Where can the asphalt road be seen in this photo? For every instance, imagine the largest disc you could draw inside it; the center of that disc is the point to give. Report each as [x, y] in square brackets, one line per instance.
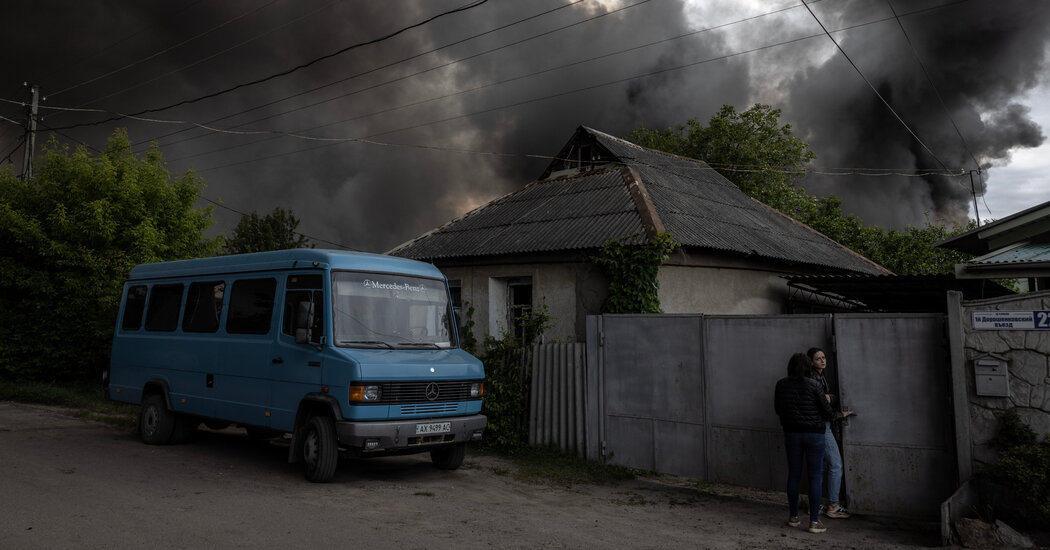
[72, 483]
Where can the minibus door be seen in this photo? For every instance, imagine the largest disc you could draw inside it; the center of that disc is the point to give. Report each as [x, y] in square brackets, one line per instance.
[297, 366]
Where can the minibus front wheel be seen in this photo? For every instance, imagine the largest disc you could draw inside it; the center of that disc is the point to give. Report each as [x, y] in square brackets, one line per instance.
[320, 449]
[449, 458]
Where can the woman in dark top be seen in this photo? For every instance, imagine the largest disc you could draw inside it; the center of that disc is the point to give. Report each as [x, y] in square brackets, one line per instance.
[803, 411]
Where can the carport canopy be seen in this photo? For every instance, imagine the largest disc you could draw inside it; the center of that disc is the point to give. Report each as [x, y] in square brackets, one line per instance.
[884, 293]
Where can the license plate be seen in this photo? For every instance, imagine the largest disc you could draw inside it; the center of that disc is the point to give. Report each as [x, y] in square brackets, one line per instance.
[435, 428]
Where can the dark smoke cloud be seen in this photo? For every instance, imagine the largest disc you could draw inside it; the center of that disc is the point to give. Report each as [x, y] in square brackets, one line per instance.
[372, 197]
[979, 55]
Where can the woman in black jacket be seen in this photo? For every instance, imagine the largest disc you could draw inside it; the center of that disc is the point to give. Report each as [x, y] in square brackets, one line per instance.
[803, 411]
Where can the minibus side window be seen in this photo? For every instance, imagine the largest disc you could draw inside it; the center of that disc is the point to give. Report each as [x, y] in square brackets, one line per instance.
[163, 311]
[133, 308]
[251, 306]
[203, 307]
[291, 307]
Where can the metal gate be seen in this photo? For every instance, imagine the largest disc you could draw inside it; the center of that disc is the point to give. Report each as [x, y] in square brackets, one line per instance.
[899, 452]
[693, 395]
[649, 388]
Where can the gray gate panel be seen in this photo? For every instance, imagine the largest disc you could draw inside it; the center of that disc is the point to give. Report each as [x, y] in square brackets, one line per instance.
[652, 367]
[752, 458]
[679, 448]
[745, 356]
[897, 481]
[898, 451]
[630, 442]
[652, 392]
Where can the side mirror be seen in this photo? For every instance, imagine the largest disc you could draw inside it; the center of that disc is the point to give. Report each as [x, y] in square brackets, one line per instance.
[304, 322]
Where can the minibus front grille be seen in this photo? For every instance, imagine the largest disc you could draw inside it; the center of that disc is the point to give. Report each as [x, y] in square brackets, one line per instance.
[429, 408]
[424, 392]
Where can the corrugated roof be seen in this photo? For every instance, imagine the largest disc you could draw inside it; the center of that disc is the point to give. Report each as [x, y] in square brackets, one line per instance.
[1027, 253]
[584, 210]
[564, 213]
[1029, 224]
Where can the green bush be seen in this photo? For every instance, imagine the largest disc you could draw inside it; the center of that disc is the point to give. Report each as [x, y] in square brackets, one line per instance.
[1023, 470]
[507, 380]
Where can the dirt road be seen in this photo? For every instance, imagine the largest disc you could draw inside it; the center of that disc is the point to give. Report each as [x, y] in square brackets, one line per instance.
[71, 483]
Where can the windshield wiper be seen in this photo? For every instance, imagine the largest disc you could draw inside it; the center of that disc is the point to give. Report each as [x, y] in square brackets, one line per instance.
[427, 345]
[366, 343]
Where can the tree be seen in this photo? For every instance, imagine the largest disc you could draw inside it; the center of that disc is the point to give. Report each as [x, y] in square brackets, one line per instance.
[69, 237]
[274, 231]
[762, 157]
[751, 148]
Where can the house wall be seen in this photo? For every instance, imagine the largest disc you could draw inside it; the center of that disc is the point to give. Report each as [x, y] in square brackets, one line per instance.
[1028, 356]
[721, 291]
[573, 288]
[567, 289]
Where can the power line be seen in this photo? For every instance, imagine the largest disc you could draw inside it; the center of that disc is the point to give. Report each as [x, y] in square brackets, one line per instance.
[212, 56]
[873, 89]
[293, 69]
[368, 139]
[929, 79]
[704, 165]
[381, 67]
[15, 122]
[216, 203]
[480, 87]
[161, 52]
[318, 239]
[549, 70]
[18, 143]
[70, 138]
[483, 86]
[104, 49]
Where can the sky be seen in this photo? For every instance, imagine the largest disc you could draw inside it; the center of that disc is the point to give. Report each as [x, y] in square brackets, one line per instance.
[378, 121]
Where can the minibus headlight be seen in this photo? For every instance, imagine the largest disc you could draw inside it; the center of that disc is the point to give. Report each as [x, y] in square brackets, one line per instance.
[365, 393]
[477, 389]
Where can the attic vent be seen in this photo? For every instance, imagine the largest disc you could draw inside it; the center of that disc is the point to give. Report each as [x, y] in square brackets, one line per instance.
[586, 159]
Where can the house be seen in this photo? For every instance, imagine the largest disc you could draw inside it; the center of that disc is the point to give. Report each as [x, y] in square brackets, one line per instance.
[534, 246]
[1015, 247]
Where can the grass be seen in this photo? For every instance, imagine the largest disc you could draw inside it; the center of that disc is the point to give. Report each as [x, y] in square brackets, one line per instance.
[548, 465]
[83, 400]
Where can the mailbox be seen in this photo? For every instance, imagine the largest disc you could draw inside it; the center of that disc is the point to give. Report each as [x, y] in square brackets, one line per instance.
[990, 373]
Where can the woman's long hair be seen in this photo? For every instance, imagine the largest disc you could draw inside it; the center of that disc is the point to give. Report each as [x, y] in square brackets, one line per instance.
[799, 365]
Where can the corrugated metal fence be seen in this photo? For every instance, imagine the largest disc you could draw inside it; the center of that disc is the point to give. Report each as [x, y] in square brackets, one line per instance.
[556, 402]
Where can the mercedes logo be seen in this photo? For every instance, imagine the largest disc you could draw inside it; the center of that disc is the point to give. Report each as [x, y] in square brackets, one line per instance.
[432, 391]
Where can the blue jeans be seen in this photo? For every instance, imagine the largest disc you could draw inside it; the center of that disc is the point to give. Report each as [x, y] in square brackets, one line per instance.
[807, 447]
[833, 461]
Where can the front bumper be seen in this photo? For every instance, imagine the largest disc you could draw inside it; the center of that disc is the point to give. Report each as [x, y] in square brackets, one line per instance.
[401, 434]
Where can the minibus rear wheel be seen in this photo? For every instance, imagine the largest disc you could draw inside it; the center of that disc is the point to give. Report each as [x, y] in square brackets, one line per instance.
[320, 449]
[156, 422]
[449, 458]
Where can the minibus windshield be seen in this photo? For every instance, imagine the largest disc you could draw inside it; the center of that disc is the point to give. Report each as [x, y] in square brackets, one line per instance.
[384, 311]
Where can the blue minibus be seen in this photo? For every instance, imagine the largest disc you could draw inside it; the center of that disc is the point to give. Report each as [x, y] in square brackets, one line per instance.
[341, 353]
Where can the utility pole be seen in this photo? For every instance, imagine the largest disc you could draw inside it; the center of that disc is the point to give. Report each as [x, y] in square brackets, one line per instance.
[30, 141]
[973, 191]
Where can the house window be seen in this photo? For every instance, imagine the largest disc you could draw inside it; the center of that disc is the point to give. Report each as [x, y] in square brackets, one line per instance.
[519, 304]
[455, 290]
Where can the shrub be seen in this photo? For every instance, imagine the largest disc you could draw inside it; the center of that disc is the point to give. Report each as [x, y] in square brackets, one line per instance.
[1023, 470]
